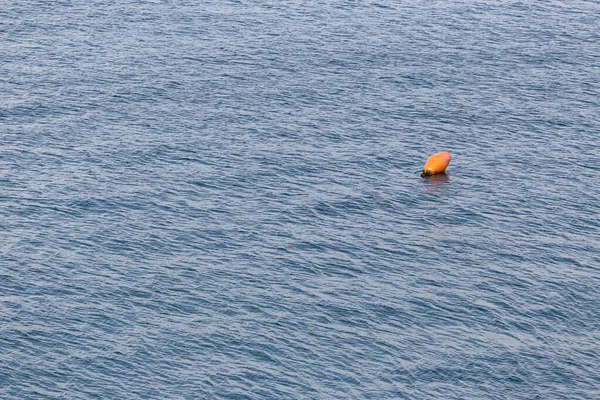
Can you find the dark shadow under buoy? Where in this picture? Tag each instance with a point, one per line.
(436, 178)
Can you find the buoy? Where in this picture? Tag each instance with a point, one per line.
(436, 164)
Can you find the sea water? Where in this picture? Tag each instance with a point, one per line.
(222, 199)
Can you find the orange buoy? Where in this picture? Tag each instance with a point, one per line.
(436, 164)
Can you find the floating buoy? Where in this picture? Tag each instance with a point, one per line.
(436, 164)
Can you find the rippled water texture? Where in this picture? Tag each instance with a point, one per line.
(222, 200)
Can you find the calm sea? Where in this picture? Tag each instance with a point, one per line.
(222, 200)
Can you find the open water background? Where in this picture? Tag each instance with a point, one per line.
(222, 199)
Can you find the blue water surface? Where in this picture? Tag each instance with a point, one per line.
(222, 199)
